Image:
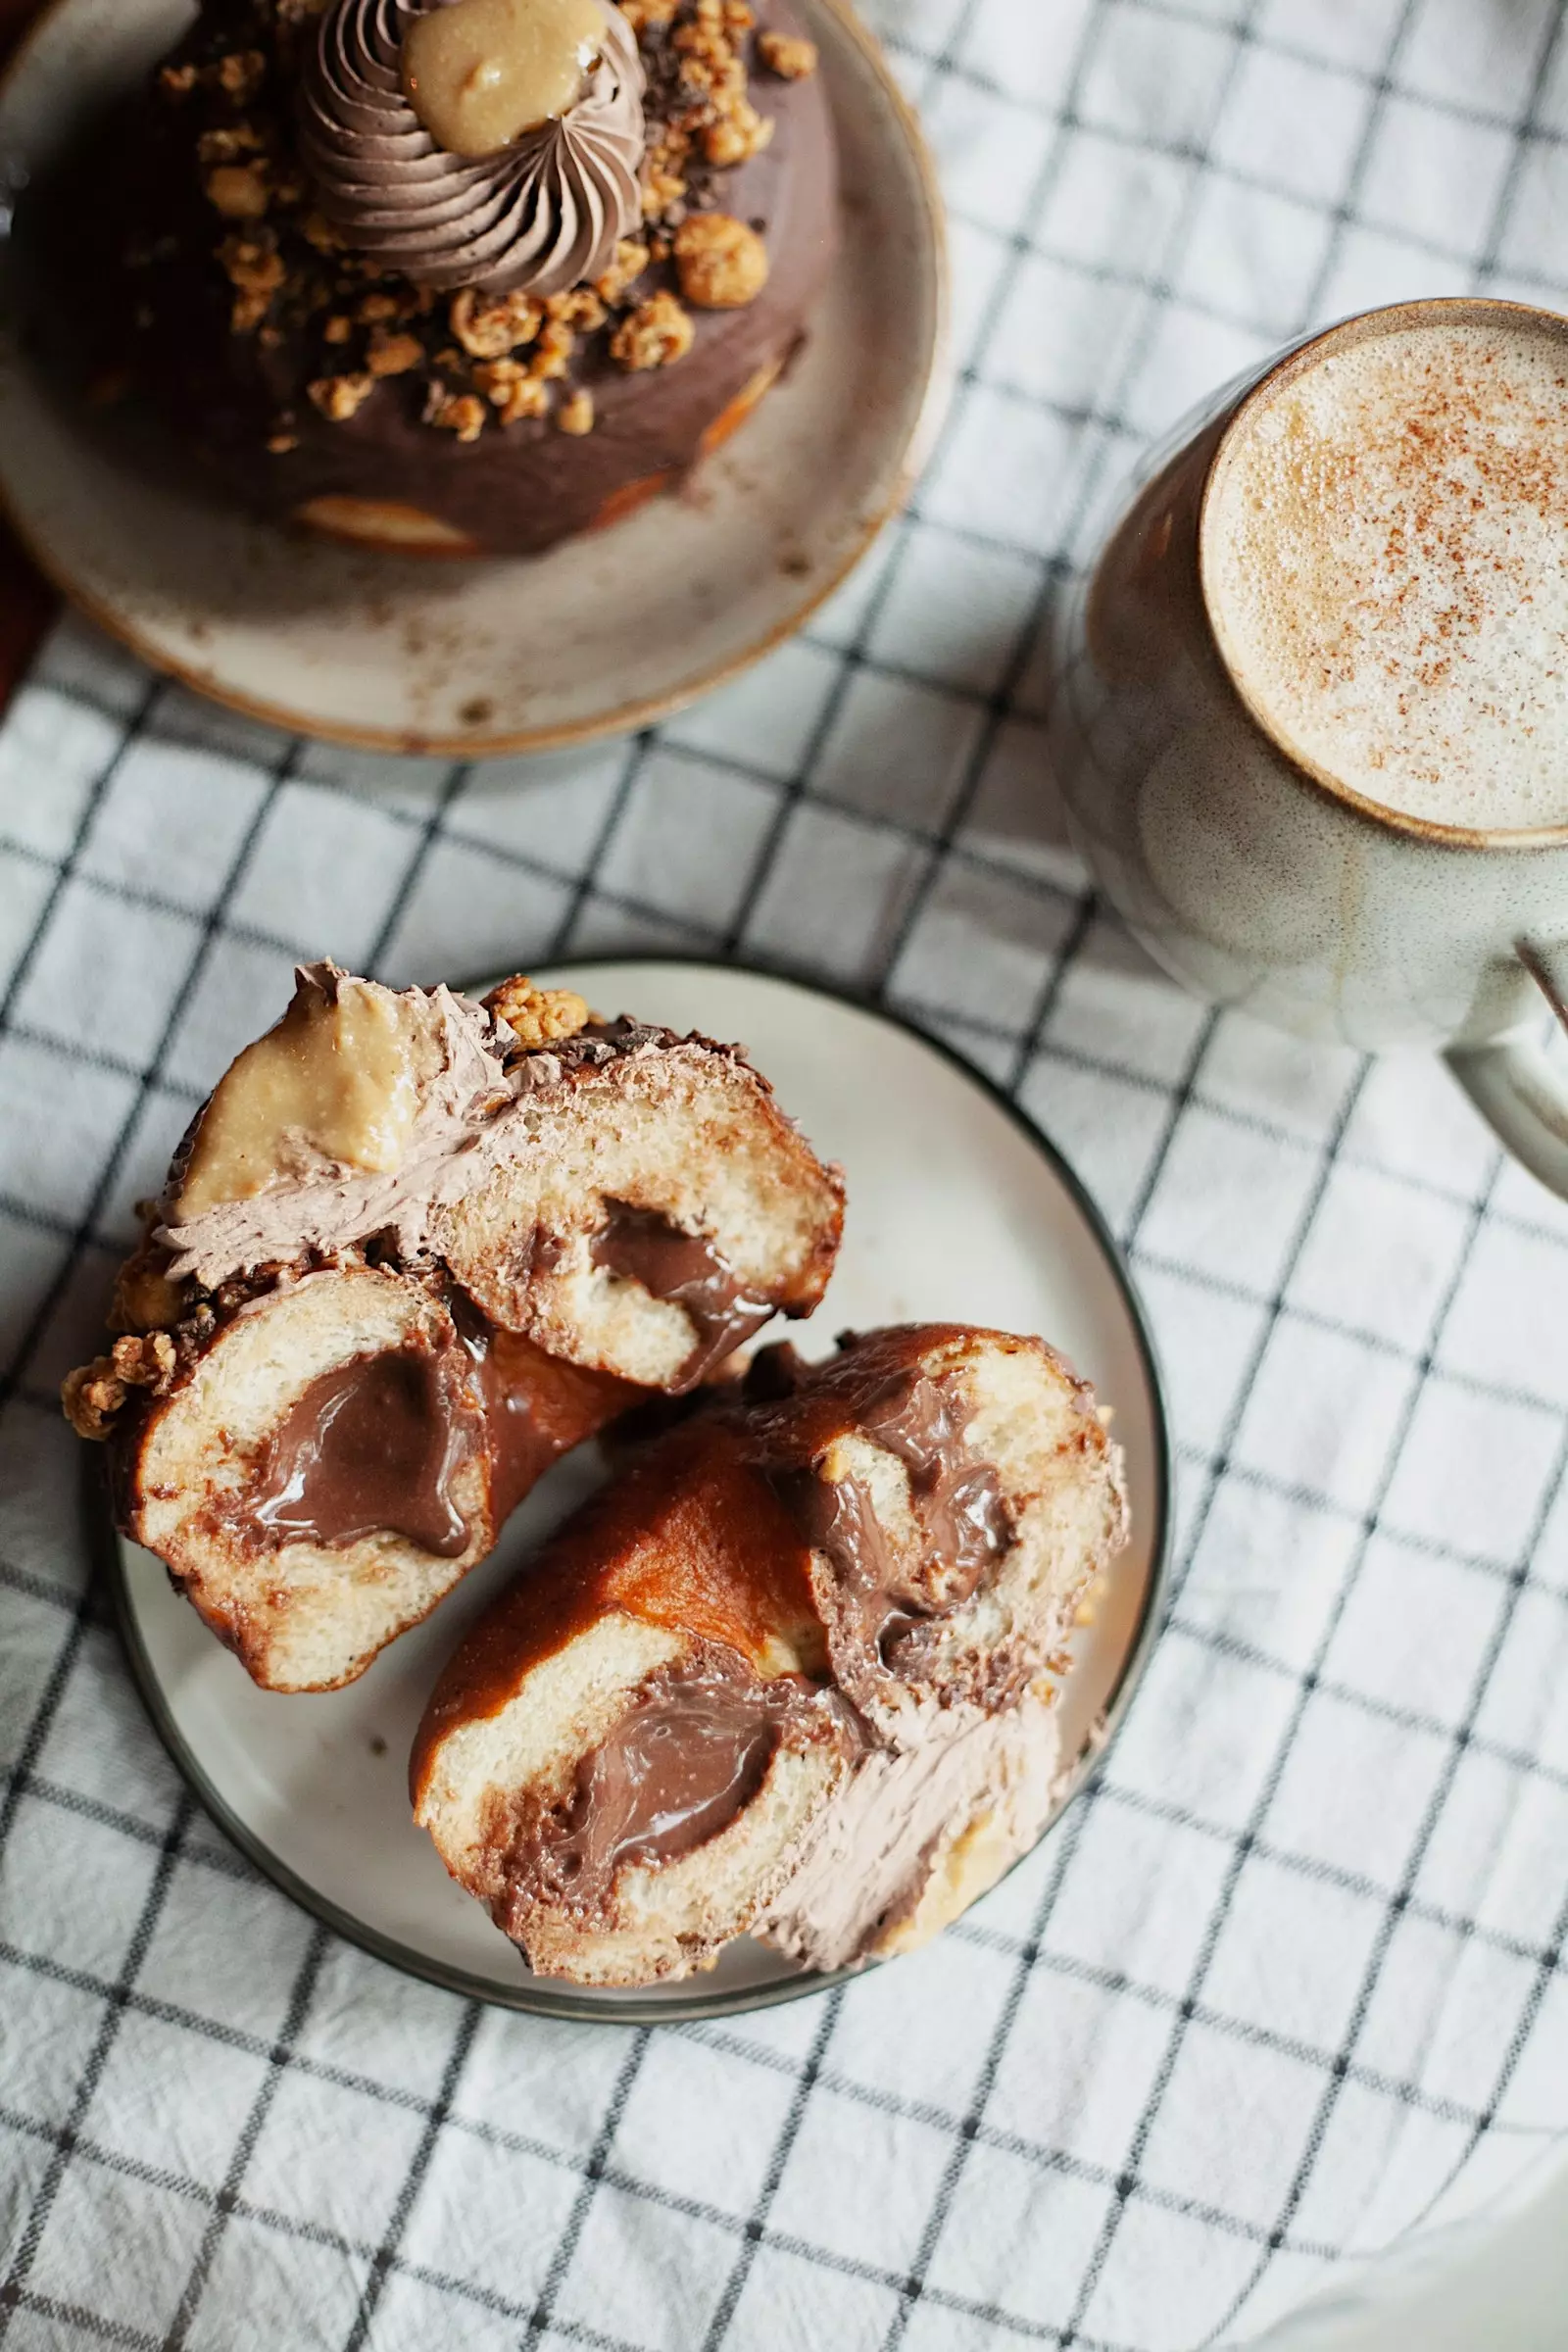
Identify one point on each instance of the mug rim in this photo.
(1359, 327)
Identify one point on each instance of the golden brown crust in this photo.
(691, 1538)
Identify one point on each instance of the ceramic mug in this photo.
(1256, 877)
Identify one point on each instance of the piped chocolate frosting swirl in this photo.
(537, 217)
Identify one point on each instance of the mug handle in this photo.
(1515, 1085)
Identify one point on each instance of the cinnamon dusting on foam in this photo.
(1386, 559)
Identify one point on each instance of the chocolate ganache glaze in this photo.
(538, 216)
(686, 1269)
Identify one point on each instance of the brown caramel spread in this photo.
(372, 1447)
(478, 72)
(687, 1270)
(336, 1080)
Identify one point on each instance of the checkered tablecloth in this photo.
(1289, 1981)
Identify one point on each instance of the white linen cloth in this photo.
(1291, 1981)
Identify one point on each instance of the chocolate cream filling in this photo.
(370, 1448)
(375, 1446)
(682, 1763)
(686, 1269)
(959, 1506)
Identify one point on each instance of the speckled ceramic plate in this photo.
(958, 1209)
(603, 634)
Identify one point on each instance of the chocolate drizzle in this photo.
(686, 1269)
(538, 217)
(372, 1447)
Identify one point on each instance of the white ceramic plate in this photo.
(603, 634)
(959, 1211)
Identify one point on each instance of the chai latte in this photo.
(1384, 559)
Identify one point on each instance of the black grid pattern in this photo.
(1318, 1889)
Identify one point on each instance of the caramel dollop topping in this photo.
(479, 73)
(541, 213)
(337, 1081)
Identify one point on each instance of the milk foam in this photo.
(1386, 558)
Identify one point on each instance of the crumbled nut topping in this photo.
(537, 1016)
(581, 309)
(490, 325)
(463, 358)
(145, 1299)
(657, 334)
(459, 413)
(722, 263)
(238, 190)
(512, 389)
(393, 355)
(94, 1392)
(555, 345)
(255, 270)
(241, 76)
(229, 141)
(737, 136)
(631, 260)
(790, 59)
(528, 397)
(339, 395)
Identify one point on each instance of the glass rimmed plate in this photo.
(958, 1209)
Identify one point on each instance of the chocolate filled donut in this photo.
(790, 1672)
(349, 324)
(411, 1251)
